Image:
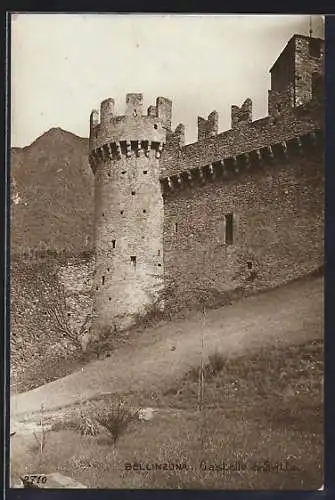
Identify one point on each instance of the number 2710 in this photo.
(35, 478)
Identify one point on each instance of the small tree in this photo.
(56, 308)
(78, 336)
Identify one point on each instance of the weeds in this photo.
(242, 426)
(216, 363)
(82, 423)
(102, 342)
(117, 420)
(87, 426)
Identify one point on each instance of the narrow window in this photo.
(113, 242)
(314, 48)
(279, 108)
(249, 264)
(133, 193)
(159, 253)
(144, 211)
(229, 229)
(145, 171)
(316, 81)
(121, 212)
(109, 298)
(176, 227)
(103, 280)
(123, 172)
(133, 260)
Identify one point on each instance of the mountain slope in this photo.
(52, 193)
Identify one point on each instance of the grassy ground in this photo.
(262, 413)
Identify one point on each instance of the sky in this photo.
(64, 65)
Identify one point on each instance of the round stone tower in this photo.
(124, 154)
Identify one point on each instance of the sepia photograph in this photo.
(166, 251)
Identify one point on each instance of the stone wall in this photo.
(309, 61)
(277, 230)
(256, 135)
(40, 287)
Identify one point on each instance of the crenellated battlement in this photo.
(241, 116)
(106, 127)
(208, 128)
(244, 139)
(295, 108)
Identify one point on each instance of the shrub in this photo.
(84, 424)
(117, 420)
(216, 362)
(87, 426)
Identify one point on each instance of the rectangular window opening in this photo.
(176, 227)
(133, 260)
(103, 280)
(229, 236)
(314, 48)
(114, 243)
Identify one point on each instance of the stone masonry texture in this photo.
(277, 230)
(263, 178)
(62, 283)
(129, 211)
(234, 213)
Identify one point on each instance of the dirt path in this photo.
(291, 314)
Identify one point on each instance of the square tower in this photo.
(295, 73)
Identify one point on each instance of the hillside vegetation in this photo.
(260, 427)
(52, 193)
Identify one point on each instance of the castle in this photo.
(176, 225)
(237, 211)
